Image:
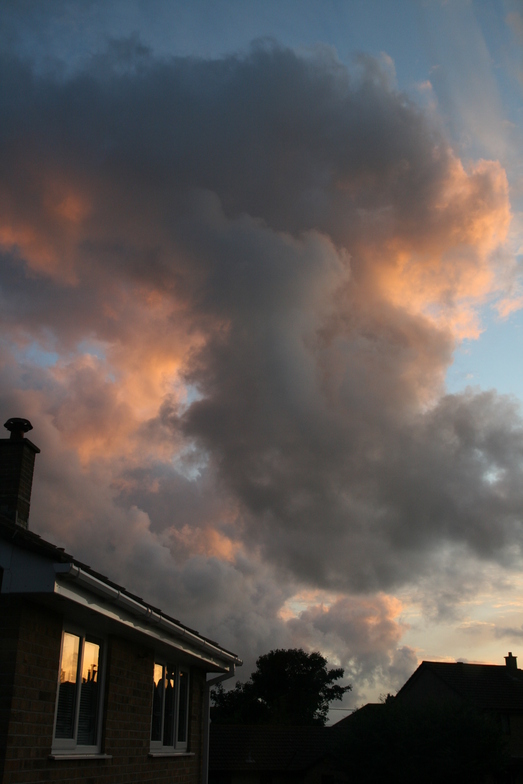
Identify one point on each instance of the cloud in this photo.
(515, 634)
(253, 271)
(361, 633)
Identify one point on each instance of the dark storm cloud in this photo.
(270, 259)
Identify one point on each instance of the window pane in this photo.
(156, 726)
(67, 690)
(170, 703)
(183, 686)
(89, 694)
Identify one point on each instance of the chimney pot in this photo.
(17, 426)
(511, 661)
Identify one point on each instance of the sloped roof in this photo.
(32, 542)
(28, 540)
(263, 748)
(370, 708)
(488, 686)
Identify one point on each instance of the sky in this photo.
(261, 298)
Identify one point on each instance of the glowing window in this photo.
(78, 704)
(169, 725)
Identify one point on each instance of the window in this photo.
(169, 726)
(77, 722)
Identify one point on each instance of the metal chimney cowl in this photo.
(17, 458)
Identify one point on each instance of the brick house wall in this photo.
(8, 646)
(30, 638)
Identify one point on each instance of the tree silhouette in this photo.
(289, 686)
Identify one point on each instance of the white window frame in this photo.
(65, 746)
(177, 746)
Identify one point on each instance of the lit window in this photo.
(170, 708)
(77, 722)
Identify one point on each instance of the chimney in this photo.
(17, 459)
(511, 661)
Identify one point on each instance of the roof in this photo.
(68, 570)
(370, 708)
(263, 747)
(487, 686)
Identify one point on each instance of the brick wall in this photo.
(32, 653)
(29, 660)
(9, 622)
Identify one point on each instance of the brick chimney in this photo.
(17, 459)
(511, 661)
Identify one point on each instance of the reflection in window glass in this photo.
(79, 696)
(66, 710)
(170, 705)
(89, 691)
(156, 727)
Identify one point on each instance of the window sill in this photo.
(171, 754)
(76, 756)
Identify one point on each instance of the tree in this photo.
(289, 686)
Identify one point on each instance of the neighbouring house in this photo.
(370, 710)
(491, 688)
(271, 754)
(96, 685)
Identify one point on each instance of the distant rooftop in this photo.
(488, 686)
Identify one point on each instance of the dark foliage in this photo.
(435, 743)
(288, 687)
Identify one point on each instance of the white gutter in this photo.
(146, 613)
(207, 719)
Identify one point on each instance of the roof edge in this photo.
(147, 613)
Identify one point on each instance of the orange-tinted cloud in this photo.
(209, 542)
(362, 634)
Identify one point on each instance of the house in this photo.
(451, 722)
(95, 684)
(271, 754)
(489, 688)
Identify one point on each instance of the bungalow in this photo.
(95, 684)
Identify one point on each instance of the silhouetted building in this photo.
(494, 689)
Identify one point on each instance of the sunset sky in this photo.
(262, 300)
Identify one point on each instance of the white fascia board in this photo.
(118, 614)
(25, 572)
(85, 589)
